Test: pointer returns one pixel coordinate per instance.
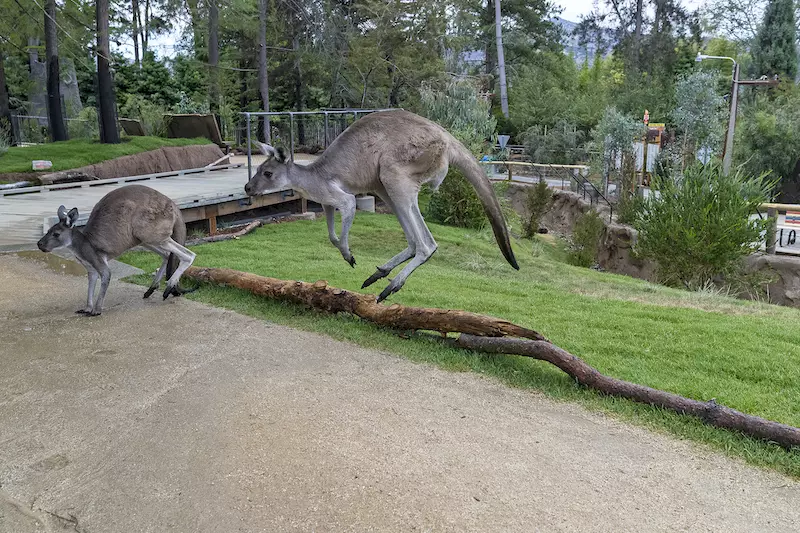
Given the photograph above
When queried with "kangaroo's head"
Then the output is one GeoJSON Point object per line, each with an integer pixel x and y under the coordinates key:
{"type": "Point", "coordinates": [272, 175]}
{"type": "Point", "coordinates": [61, 233]}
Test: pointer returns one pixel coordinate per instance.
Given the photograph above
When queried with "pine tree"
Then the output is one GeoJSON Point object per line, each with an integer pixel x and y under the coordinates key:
{"type": "Point", "coordinates": [774, 50]}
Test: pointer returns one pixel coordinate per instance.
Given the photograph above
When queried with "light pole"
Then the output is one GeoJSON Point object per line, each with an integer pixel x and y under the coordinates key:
{"type": "Point", "coordinates": [727, 149]}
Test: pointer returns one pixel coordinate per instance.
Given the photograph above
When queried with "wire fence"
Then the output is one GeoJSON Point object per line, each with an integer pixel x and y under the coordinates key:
{"type": "Point", "coordinates": [34, 129]}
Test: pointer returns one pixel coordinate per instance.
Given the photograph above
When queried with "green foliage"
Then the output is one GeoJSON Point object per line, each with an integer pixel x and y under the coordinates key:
{"type": "Point", "coordinates": [151, 115]}
{"type": "Point", "coordinates": [458, 109]}
{"type": "Point", "coordinates": [697, 228]}
{"type": "Point", "coordinates": [152, 81]}
{"type": "Point", "coordinates": [456, 204]}
{"type": "Point", "coordinates": [85, 126]}
{"type": "Point", "coordinates": [774, 49]}
{"type": "Point", "coordinates": [586, 239]}
{"type": "Point", "coordinates": [700, 112]}
{"type": "Point", "coordinates": [538, 199]}
{"type": "Point", "coordinates": [768, 139]}
{"type": "Point", "coordinates": [563, 144]}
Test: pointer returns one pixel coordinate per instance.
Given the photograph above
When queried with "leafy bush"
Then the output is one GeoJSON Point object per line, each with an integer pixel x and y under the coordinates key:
{"type": "Point", "coordinates": [151, 115]}
{"type": "Point", "coordinates": [466, 116]}
{"type": "Point", "coordinates": [585, 239]}
{"type": "Point", "coordinates": [537, 201]}
{"type": "Point", "coordinates": [562, 144]}
{"type": "Point", "coordinates": [5, 136]}
{"type": "Point", "coordinates": [85, 126]}
{"type": "Point", "coordinates": [698, 227]}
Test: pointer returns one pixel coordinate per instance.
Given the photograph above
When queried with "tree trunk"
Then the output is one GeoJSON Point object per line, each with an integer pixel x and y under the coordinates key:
{"type": "Point", "coordinates": [194, 15]}
{"type": "Point", "coordinates": [263, 74]}
{"type": "Point", "coordinates": [107, 113]}
{"type": "Point", "coordinates": [146, 27]}
{"type": "Point", "coordinates": [298, 85]}
{"type": "Point", "coordinates": [637, 35]}
{"type": "Point", "coordinates": [213, 57]}
{"type": "Point", "coordinates": [488, 334]}
{"type": "Point", "coordinates": [58, 130]}
{"type": "Point", "coordinates": [135, 21]}
{"type": "Point", "coordinates": [6, 133]}
{"type": "Point", "coordinates": [489, 37]}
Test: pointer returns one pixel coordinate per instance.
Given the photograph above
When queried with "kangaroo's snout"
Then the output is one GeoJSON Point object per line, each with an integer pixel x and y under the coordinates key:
{"type": "Point", "coordinates": [248, 189]}
{"type": "Point", "coordinates": [42, 247]}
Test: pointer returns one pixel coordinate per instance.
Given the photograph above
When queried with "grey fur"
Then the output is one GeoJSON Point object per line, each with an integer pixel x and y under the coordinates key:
{"type": "Point", "coordinates": [124, 218]}
{"type": "Point", "coordinates": [390, 154]}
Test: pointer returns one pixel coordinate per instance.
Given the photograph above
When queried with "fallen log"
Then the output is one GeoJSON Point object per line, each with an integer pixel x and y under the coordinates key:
{"type": "Point", "coordinates": [226, 236]}
{"type": "Point", "coordinates": [709, 412]}
{"type": "Point", "coordinates": [320, 296]}
{"type": "Point", "coordinates": [493, 335]}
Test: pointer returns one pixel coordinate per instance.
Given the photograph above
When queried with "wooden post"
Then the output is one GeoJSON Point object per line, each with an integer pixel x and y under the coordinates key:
{"type": "Point", "coordinates": [211, 213]}
{"type": "Point", "coordinates": [772, 215]}
{"type": "Point", "coordinates": [303, 205]}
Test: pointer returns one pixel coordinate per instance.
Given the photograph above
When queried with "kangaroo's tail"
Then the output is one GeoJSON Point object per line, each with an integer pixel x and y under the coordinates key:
{"type": "Point", "coordinates": [179, 236]}
{"type": "Point", "coordinates": [463, 160]}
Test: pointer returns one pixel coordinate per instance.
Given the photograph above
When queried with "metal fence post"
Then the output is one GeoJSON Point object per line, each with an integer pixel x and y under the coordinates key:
{"type": "Point", "coordinates": [291, 135]}
{"type": "Point", "coordinates": [326, 129]}
{"type": "Point", "coordinates": [249, 159]}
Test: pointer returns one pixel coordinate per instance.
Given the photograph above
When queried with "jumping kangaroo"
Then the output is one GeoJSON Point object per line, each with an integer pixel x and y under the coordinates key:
{"type": "Point", "coordinates": [126, 217]}
{"type": "Point", "coordinates": [390, 154]}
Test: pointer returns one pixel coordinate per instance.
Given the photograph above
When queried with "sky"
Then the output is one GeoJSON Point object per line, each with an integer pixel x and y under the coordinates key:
{"type": "Point", "coordinates": [573, 9]}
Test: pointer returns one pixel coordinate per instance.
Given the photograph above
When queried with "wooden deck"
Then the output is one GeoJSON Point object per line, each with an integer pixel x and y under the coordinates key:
{"type": "Point", "coordinates": [25, 214]}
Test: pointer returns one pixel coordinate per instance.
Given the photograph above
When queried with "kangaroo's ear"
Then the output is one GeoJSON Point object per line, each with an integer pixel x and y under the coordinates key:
{"type": "Point", "coordinates": [62, 213]}
{"type": "Point", "coordinates": [281, 155]}
{"type": "Point", "coordinates": [72, 217]}
{"type": "Point", "coordinates": [266, 149]}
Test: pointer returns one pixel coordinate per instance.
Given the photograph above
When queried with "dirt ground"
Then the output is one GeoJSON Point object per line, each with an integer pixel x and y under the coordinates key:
{"type": "Point", "coordinates": [175, 416]}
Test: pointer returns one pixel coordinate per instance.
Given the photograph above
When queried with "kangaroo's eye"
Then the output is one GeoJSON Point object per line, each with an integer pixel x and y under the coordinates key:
{"type": "Point", "coordinates": [56, 235]}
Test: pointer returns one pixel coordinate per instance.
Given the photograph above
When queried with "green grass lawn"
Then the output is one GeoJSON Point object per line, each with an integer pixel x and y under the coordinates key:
{"type": "Point", "coordinates": [700, 345]}
{"type": "Point", "coordinates": [81, 152]}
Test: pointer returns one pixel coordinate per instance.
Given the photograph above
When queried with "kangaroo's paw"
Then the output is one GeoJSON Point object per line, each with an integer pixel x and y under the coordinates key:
{"type": "Point", "coordinates": [379, 274]}
{"type": "Point", "coordinates": [388, 291]}
{"type": "Point", "coordinates": [169, 290]}
{"type": "Point", "coordinates": [352, 261]}
{"type": "Point", "coordinates": [150, 291]}
{"type": "Point", "coordinates": [82, 312]}
{"type": "Point", "coordinates": [93, 313]}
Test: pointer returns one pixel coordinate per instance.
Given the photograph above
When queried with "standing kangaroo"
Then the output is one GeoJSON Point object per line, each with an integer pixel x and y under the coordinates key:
{"type": "Point", "coordinates": [390, 154]}
{"type": "Point", "coordinates": [126, 217]}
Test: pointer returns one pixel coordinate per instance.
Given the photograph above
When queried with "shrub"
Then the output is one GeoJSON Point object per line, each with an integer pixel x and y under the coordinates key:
{"type": "Point", "coordinates": [585, 239]}
{"type": "Point", "coordinates": [698, 227]}
{"type": "Point", "coordinates": [466, 116]}
{"type": "Point", "coordinates": [537, 201]}
{"type": "Point", "coordinates": [151, 115]}
{"type": "Point", "coordinates": [563, 144]}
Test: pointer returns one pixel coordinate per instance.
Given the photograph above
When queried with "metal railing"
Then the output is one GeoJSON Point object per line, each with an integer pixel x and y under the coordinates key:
{"type": "Point", "coordinates": [322, 128]}
{"type": "Point", "coordinates": [572, 175]}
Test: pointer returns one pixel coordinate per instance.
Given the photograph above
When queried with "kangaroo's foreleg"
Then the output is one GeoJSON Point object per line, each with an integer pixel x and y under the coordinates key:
{"type": "Point", "coordinates": [185, 258]}
{"type": "Point", "coordinates": [418, 235]}
{"type": "Point", "coordinates": [385, 269]}
{"type": "Point", "coordinates": [347, 206]}
{"type": "Point", "coordinates": [93, 276]}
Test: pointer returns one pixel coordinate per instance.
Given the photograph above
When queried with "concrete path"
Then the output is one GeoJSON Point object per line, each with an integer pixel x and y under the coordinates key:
{"type": "Point", "coordinates": [175, 416]}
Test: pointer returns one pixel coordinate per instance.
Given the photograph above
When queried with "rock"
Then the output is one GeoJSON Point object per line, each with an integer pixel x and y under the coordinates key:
{"type": "Point", "coordinates": [784, 270]}
{"type": "Point", "coordinates": [66, 176]}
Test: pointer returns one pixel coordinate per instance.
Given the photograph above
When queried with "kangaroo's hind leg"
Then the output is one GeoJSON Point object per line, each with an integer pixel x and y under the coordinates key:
{"type": "Point", "coordinates": [385, 269]}
{"type": "Point", "coordinates": [159, 274]}
{"type": "Point", "coordinates": [185, 257]}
